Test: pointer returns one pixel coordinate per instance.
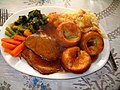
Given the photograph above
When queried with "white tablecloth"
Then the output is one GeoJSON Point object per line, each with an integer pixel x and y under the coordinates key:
{"type": "Point", "coordinates": [106, 78]}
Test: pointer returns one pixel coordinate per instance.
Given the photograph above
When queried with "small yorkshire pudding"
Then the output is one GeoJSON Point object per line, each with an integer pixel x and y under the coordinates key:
{"type": "Point", "coordinates": [76, 60]}
{"type": "Point", "coordinates": [92, 42]}
{"type": "Point", "coordinates": [68, 34]}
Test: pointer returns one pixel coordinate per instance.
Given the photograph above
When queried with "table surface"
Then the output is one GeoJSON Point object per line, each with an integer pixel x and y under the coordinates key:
{"type": "Point", "coordinates": [108, 12]}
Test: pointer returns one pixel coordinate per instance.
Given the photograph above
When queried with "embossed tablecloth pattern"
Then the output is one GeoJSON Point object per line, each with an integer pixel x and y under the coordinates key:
{"type": "Point", "coordinates": [108, 12]}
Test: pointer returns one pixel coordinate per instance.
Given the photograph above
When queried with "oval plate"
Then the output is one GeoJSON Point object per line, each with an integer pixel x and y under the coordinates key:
{"type": "Point", "coordinates": [22, 66]}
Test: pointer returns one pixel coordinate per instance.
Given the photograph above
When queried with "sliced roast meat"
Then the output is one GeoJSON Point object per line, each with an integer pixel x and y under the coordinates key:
{"type": "Point", "coordinates": [42, 66]}
{"type": "Point", "coordinates": [43, 45]}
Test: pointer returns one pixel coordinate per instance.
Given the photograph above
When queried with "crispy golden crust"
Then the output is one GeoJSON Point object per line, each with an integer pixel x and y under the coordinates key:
{"type": "Point", "coordinates": [68, 34]}
{"type": "Point", "coordinates": [76, 60]}
{"type": "Point", "coordinates": [92, 42]}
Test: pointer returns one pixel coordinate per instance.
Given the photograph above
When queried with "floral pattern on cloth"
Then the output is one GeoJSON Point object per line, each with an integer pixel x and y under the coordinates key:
{"type": "Point", "coordinates": [37, 2]}
{"type": "Point", "coordinates": [35, 83]}
{"type": "Point", "coordinates": [42, 2]}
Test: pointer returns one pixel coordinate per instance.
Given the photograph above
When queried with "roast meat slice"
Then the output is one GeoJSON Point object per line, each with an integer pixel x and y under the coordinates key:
{"type": "Point", "coordinates": [42, 66]}
{"type": "Point", "coordinates": [43, 45]}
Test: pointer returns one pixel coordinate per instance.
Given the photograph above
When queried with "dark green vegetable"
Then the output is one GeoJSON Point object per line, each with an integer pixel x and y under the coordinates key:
{"type": "Point", "coordinates": [34, 21]}
{"type": "Point", "coordinates": [30, 27]}
{"type": "Point", "coordinates": [34, 13]}
{"type": "Point", "coordinates": [21, 20]}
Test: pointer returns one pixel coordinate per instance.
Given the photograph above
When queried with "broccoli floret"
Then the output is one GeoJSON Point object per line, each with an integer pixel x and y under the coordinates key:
{"type": "Point", "coordinates": [21, 20]}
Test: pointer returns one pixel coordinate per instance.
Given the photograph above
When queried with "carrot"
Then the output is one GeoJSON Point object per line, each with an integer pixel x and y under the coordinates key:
{"type": "Point", "coordinates": [19, 38]}
{"type": "Point", "coordinates": [15, 52]}
{"type": "Point", "coordinates": [7, 50]}
{"type": "Point", "coordinates": [27, 32]}
{"type": "Point", "coordinates": [8, 45]}
{"type": "Point", "coordinates": [10, 40]}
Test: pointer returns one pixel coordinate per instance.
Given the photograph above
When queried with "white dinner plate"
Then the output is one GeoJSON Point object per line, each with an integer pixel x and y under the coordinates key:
{"type": "Point", "coordinates": [22, 66]}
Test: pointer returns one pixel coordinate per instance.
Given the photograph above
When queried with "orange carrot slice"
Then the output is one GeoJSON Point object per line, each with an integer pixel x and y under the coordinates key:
{"type": "Point", "coordinates": [10, 40]}
{"type": "Point", "coordinates": [27, 32]}
{"type": "Point", "coordinates": [8, 45]}
{"type": "Point", "coordinates": [19, 38]}
{"type": "Point", "coordinates": [17, 50]}
{"type": "Point", "coordinates": [7, 50]}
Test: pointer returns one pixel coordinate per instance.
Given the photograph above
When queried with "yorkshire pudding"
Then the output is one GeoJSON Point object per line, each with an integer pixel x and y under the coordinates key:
{"type": "Point", "coordinates": [68, 34]}
{"type": "Point", "coordinates": [92, 42]}
{"type": "Point", "coordinates": [75, 60]}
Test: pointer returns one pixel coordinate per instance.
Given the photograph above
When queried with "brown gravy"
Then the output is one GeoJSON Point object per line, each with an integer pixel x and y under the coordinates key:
{"type": "Point", "coordinates": [50, 30]}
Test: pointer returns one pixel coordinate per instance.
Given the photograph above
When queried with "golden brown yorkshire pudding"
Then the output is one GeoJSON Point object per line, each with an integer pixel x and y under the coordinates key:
{"type": "Point", "coordinates": [76, 60]}
{"type": "Point", "coordinates": [92, 42]}
{"type": "Point", "coordinates": [68, 34]}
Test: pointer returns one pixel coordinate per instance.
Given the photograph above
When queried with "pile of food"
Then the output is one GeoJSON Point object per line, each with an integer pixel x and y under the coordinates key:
{"type": "Point", "coordinates": [57, 42]}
